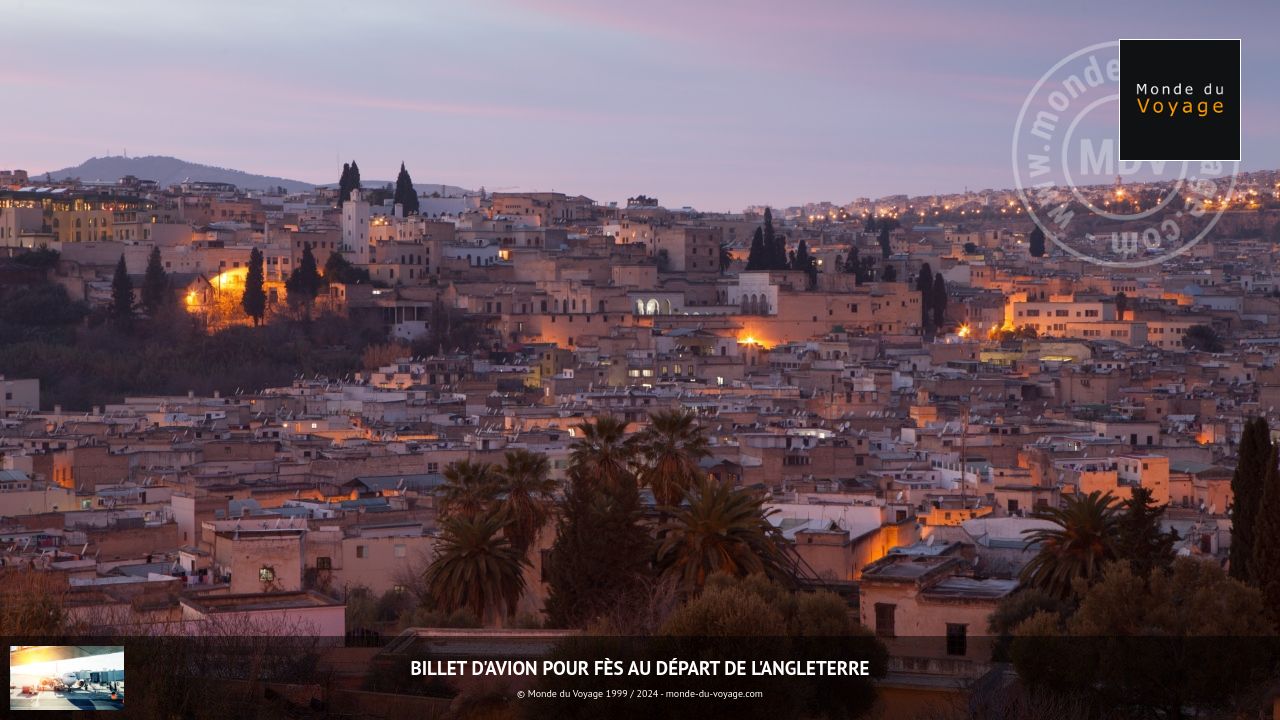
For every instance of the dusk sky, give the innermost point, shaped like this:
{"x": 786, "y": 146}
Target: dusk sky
{"x": 712, "y": 104}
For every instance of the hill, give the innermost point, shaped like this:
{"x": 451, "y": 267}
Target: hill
{"x": 168, "y": 171}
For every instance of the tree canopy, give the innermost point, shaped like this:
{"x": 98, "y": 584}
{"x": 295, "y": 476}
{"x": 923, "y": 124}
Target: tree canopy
{"x": 406, "y": 196}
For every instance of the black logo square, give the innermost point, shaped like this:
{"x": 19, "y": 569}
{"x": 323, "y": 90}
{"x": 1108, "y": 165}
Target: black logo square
{"x": 1180, "y": 100}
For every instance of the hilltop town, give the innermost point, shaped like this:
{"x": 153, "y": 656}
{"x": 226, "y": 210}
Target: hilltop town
{"x": 278, "y": 407}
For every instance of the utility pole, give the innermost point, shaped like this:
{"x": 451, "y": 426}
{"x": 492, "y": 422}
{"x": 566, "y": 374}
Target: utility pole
{"x": 964, "y": 438}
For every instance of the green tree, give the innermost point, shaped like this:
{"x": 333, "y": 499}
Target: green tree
{"x": 938, "y": 300}
{"x": 890, "y": 273}
{"x": 121, "y": 307}
{"x": 1246, "y": 490}
{"x": 406, "y": 196}
{"x": 304, "y": 283}
{"x": 1035, "y": 242}
{"x": 671, "y": 448}
{"x": 1083, "y": 541}
{"x": 526, "y": 495}
{"x": 1202, "y": 337}
{"x": 40, "y": 257}
{"x": 349, "y": 181}
{"x": 1186, "y": 638}
{"x": 469, "y": 488}
{"x": 720, "y": 529}
{"x": 254, "y": 299}
{"x": 476, "y": 567}
{"x": 337, "y": 269}
{"x": 886, "y": 249}
{"x": 602, "y": 555}
{"x": 601, "y": 454}
{"x": 924, "y": 285}
{"x": 756, "y": 258}
{"x": 775, "y": 246}
{"x": 1016, "y": 609}
{"x": 1266, "y": 541}
{"x": 970, "y": 249}
{"x": 155, "y": 284}
{"x": 1139, "y": 538}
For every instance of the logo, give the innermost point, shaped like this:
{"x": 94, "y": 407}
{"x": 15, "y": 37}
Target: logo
{"x": 1079, "y": 192}
{"x": 1180, "y": 99}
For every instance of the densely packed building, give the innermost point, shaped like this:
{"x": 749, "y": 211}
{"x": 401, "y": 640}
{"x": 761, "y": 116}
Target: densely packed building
{"x": 905, "y": 443}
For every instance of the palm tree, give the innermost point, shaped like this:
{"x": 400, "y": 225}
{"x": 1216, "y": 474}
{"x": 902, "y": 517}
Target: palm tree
{"x": 476, "y": 566}
{"x": 525, "y": 495}
{"x": 469, "y": 488}
{"x": 671, "y": 447}
{"x": 602, "y": 454}
{"x": 1083, "y": 541}
{"x": 720, "y": 529}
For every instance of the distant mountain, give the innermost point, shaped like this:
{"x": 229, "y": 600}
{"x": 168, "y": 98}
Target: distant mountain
{"x": 168, "y": 171}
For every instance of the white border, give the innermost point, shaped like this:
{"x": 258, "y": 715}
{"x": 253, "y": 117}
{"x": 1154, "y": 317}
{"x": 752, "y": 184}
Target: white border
{"x": 1239, "y": 108}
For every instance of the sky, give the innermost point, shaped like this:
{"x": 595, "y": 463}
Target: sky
{"x": 713, "y": 104}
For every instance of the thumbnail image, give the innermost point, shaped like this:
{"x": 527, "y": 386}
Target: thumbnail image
{"x": 66, "y": 677}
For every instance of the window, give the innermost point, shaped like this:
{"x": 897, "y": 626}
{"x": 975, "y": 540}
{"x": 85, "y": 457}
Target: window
{"x": 884, "y": 619}
{"x": 267, "y": 574}
{"x": 957, "y": 639}
{"x": 324, "y": 563}
{"x": 360, "y": 551}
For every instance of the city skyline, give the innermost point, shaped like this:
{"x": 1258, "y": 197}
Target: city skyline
{"x": 714, "y": 110}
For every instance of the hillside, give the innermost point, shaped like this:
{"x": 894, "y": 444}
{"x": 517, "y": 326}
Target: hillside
{"x": 170, "y": 171}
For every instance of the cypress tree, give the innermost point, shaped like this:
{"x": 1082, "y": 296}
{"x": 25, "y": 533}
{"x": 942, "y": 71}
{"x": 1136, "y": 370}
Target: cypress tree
{"x": 924, "y": 281}
{"x": 254, "y": 300}
{"x": 304, "y": 282}
{"x": 781, "y": 258}
{"x": 885, "y": 249}
{"x": 405, "y": 195}
{"x": 121, "y": 307}
{"x": 802, "y": 258}
{"x": 344, "y": 183}
{"x": 889, "y": 274}
{"x": 924, "y": 285}
{"x": 1036, "y": 242}
{"x": 1265, "y": 564}
{"x": 1246, "y": 488}
{"x": 756, "y": 259}
{"x": 155, "y": 284}
{"x": 355, "y": 176}
{"x": 939, "y": 300}
{"x": 775, "y": 248}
